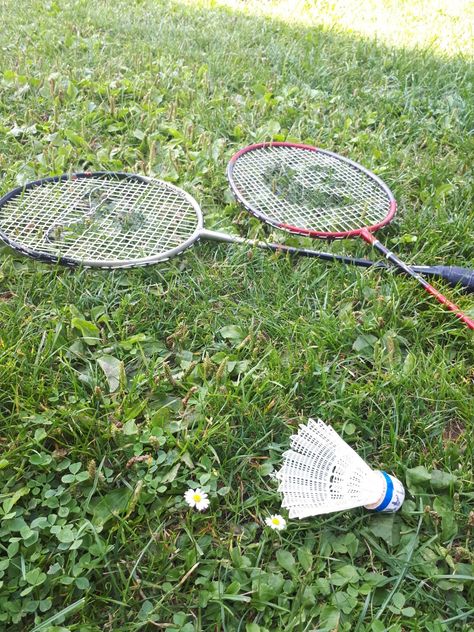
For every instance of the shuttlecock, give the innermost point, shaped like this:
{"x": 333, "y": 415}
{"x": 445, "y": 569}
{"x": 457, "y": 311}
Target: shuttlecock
{"x": 322, "y": 474}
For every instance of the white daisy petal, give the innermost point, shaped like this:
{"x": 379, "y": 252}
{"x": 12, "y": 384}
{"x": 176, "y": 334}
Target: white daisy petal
{"x": 276, "y": 522}
{"x": 202, "y": 505}
{"x": 196, "y": 498}
{"x": 188, "y": 497}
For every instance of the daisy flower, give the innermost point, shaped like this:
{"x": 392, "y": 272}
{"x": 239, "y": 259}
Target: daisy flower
{"x": 197, "y": 498}
{"x": 276, "y": 522}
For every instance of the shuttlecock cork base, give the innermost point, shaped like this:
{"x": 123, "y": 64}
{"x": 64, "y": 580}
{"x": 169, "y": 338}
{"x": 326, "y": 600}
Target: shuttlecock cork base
{"x": 322, "y": 474}
{"x": 392, "y": 495}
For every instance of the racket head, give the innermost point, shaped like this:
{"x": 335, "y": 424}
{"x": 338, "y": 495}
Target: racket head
{"x": 309, "y": 191}
{"x": 101, "y": 219}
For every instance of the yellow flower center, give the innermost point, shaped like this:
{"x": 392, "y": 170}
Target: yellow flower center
{"x": 197, "y": 498}
{"x": 276, "y": 521}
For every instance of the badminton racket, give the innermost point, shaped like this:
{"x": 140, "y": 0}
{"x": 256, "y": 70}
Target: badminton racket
{"x": 317, "y": 193}
{"x": 118, "y": 220}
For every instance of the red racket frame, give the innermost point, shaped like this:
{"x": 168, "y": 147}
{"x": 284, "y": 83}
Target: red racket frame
{"x": 366, "y": 232}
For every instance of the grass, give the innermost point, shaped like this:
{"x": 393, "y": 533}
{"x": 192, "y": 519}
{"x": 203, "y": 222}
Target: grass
{"x": 205, "y": 365}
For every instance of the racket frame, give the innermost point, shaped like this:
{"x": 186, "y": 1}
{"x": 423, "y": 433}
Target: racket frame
{"x": 452, "y": 275}
{"x": 102, "y": 263}
{"x": 392, "y": 209}
{"x": 364, "y": 232}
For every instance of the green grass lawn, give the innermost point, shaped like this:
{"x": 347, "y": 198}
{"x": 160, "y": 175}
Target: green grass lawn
{"x": 205, "y": 365}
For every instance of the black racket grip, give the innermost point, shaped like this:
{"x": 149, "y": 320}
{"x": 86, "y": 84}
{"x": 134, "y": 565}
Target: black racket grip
{"x": 453, "y": 275}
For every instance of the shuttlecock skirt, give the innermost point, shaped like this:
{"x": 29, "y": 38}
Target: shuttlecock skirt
{"x": 322, "y": 474}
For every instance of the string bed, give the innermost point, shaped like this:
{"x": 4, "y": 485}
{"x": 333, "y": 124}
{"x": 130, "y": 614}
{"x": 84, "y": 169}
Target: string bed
{"x": 349, "y": 198}
{"x": 137, "y": 219}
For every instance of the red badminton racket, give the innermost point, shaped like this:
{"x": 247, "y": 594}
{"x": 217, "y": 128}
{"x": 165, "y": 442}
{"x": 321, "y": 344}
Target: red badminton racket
{"x": 313, "y": 192}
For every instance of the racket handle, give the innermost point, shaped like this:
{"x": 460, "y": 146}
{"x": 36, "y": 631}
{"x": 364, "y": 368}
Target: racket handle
{"x": 454, "y": 275}
{"x": 390, "y": 256}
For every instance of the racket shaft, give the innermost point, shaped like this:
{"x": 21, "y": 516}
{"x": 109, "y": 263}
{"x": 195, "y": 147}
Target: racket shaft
{"x": 453, "y": 275}
{"x": 390, "y": 256}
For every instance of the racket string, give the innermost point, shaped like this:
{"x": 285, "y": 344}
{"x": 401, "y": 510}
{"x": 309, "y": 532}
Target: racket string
{"x": 297, "y": 216}
{"x": 22, "y": 222}
{"x": 142, "y": 218}
{"x": 161, "y": 232}
{"x": 369, "y": 203}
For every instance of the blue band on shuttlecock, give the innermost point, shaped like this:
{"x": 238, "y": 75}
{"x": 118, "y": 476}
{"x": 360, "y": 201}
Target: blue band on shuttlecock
{"x": 388, "y": 493}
